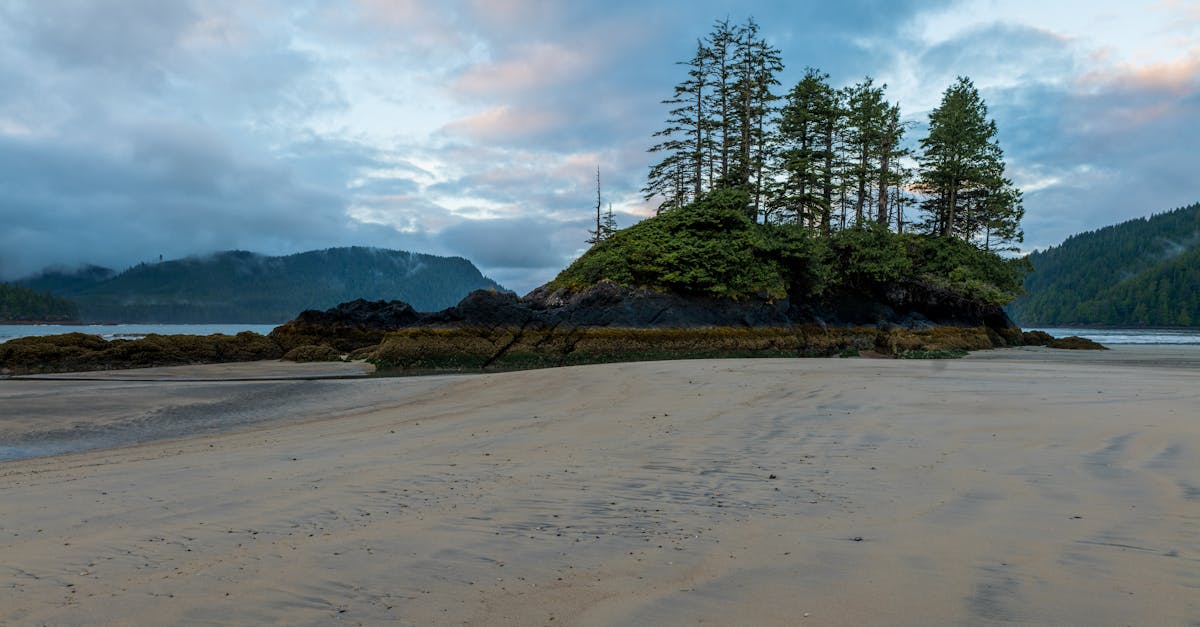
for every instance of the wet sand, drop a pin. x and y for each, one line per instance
(1010, 487)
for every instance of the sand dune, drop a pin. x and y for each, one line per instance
(1032, 487)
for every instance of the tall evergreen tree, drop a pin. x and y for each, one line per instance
(807, 124)
(679, 177)
(757, 65)
(890, 174)
(962, 170)
(719, 130)
(722, 44)
(865, 123)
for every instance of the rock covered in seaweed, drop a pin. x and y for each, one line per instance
(346, 327)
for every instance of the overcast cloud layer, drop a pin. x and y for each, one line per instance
(134, 128)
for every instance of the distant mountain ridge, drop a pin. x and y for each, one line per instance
(1144, 272)
(244, 287)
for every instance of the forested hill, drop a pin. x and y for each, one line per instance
(244, 287)
(1141, 272)
(19, 303)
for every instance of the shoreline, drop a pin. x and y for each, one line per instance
(1013, 485)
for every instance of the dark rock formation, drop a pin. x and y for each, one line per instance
(346, 327)
(609, 305)
(909, 305)
(77, 352)
(1074, 342)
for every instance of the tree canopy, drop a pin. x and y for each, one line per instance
(829, 158)
(803, 195)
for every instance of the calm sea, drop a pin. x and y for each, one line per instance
(128, 331)
(1129, 336)
(134, 331)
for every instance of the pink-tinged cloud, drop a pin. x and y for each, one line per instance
(534, 67)
(506, 14)
(399, 12)
(1134, 95)
(504, 123)
(422, 24)
(1176, 76)
(1187, 9)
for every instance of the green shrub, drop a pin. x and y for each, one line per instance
(711, 248)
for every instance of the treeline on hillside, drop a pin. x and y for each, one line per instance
(21, 303)
(829, 158)
(244, 287)
(1144, 272)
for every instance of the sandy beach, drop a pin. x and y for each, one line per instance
(1017, 486)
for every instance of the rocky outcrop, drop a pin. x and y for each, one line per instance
(909, 305)
(77, 352)
(609, 305)
(606, 322)
(346, 327)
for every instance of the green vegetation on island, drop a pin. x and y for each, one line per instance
(243, 287)
(711, 248)
(20, 303)
(803, 195)
(1143, 272)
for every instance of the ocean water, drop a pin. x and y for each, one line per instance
(1128, 336)
(128, 331)
(134, 331)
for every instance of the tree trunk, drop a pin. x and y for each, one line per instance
(951, 206)
(881, 213)
(861, 200)
(827, 208)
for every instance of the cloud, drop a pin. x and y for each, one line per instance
(506, 243)
(130, 37)
(1107, 147)
(474, 127)
(505, 124)
(537, 66)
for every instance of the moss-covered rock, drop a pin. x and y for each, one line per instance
(77, 352)
(1036, 338)
(312, 352)
(1074, 342)
(503, 348)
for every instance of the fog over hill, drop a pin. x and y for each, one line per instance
(244, 287)
(1143, 272)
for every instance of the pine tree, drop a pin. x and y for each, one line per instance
(756, 67)
(865, 128)
(719, 131)
(890, 174)
(606, 224)
(962, 171)
(807, 124)
(679, 177)
(721, 44)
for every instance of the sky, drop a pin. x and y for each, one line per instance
(131, 129)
